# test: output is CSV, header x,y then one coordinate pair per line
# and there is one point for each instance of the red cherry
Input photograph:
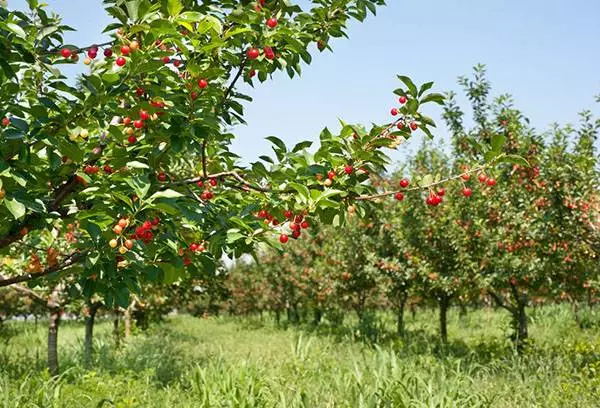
x,y
400,125
203,83
394,111
200,183
404,183
66,53
5,122
132,139
348,169
252,73
296,234
176,63
107,169
413,126
161,176
288,214
186,261
125,50
283,238
140,92
295,226
166,59
491,182
441,192
467,192
465,177
93,53
155,221
194,95
121,61
272,22
108,53
331,175
269,54
194,247
399,196
213,182
304,224
262,214
138,124
482,178
403,100
144,115
298,219
127,121
253,53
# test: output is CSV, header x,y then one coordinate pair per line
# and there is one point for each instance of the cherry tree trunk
x,y
53,324
444,304
88,341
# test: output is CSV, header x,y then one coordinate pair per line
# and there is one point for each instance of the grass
x,y
231,362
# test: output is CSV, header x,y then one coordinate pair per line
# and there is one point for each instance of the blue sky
x,y
544,52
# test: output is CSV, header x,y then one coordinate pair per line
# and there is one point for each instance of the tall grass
x,y
229,362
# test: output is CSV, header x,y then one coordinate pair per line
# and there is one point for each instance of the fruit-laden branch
x,y
61,193
235,175
78,49
66,263
476,169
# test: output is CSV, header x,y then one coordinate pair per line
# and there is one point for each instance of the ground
x,y
234,362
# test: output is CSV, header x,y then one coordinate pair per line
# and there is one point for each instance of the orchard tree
x,y
135,160
532,242
571,210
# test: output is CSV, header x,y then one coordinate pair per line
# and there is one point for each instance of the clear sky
x,y
544,52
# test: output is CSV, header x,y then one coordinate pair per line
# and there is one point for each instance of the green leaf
x,y
16,29
234,235
515,159
412,88
137,165
426,180
490,155
110,77
302,146
16,208
277,142
165,194
434,97
425,87
497,142
174,7
301,189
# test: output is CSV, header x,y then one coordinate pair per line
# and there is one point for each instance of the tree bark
x,y
444,304
116,333
318,316
53,323
520,323
521,327
127,320
88,341
277,316
400,314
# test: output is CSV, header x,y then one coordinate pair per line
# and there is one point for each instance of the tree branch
x,y
499,301
428,186
67,262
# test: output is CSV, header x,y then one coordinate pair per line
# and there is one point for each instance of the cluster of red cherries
x,y
296,223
